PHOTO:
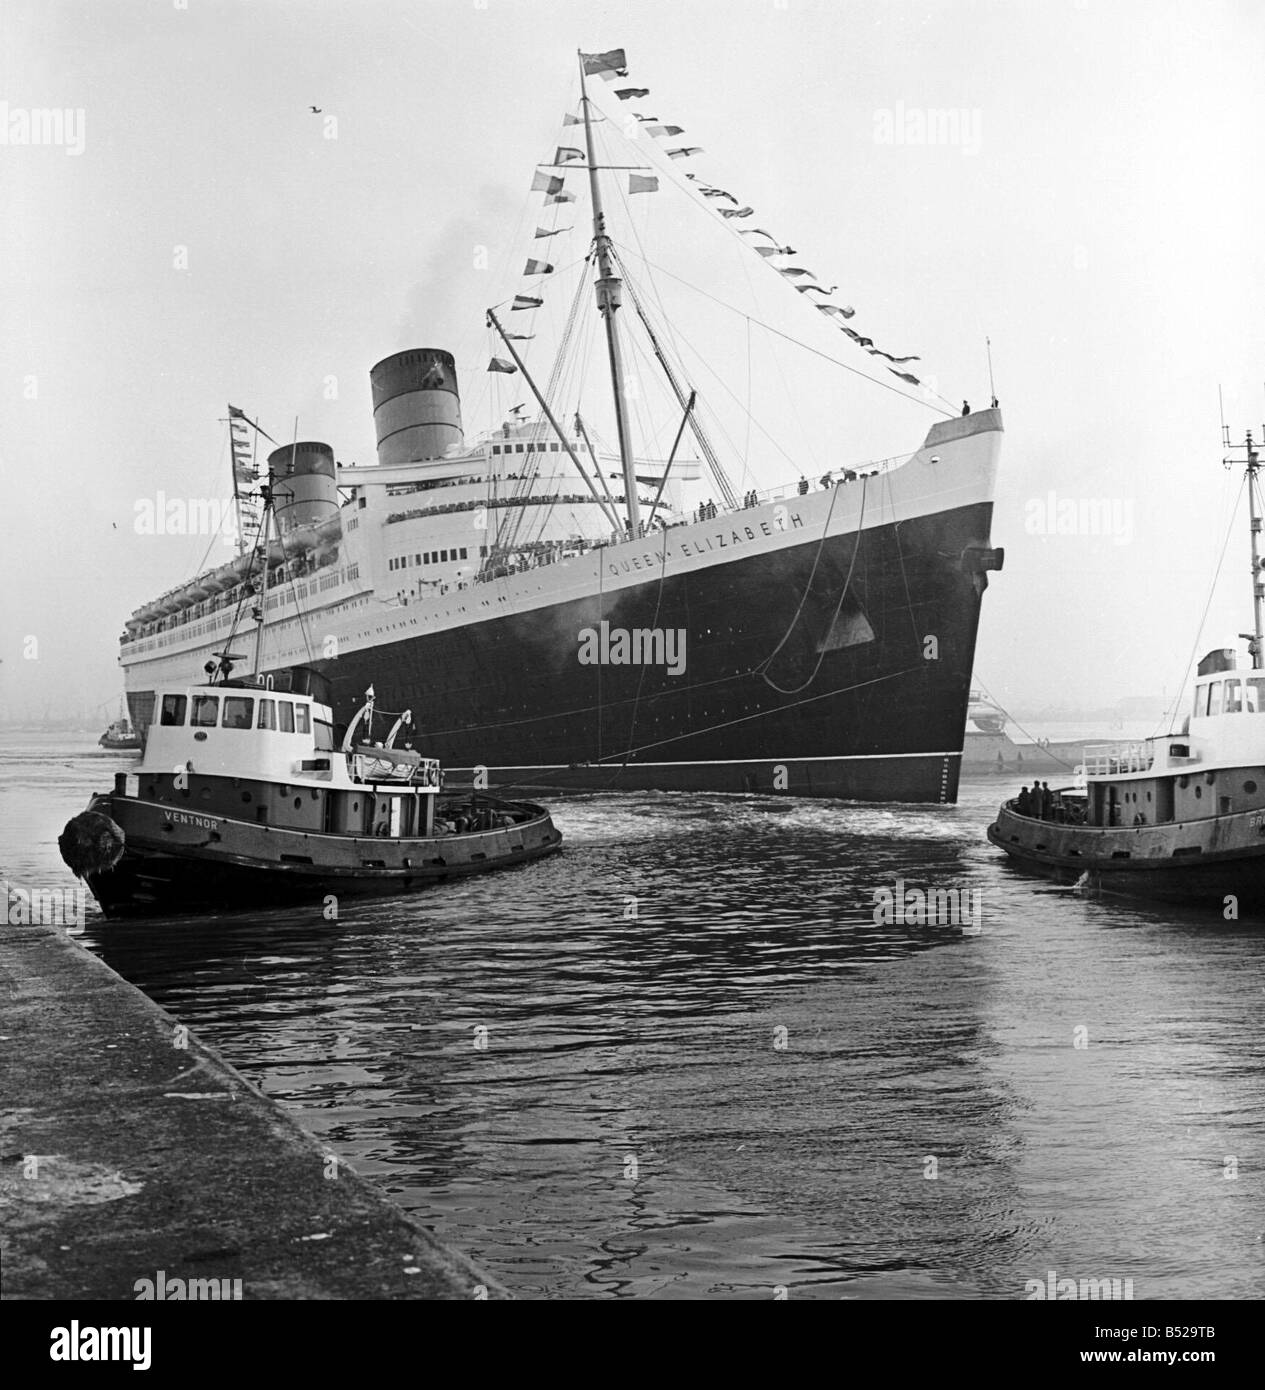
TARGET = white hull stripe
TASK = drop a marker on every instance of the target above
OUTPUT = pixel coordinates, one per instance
(703, 762)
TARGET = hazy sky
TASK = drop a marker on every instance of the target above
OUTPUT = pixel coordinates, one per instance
(202, 237)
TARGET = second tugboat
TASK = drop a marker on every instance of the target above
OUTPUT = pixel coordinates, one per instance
(120, 736)
(1179, 818)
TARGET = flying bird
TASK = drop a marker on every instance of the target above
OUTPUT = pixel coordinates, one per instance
(315, 109)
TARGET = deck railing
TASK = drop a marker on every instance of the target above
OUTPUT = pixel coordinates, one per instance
(1107, 759)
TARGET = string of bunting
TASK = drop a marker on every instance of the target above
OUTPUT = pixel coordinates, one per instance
(610, 66)
(615, 64)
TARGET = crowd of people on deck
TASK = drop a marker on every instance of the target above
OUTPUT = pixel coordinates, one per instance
(1041, 803)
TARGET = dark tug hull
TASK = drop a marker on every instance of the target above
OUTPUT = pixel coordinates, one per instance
(247, 866)
(1198, 864)
(879, 719)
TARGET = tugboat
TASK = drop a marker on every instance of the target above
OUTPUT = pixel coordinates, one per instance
(120, 736)
(242, 799)
(1179, 818)
(245, 797)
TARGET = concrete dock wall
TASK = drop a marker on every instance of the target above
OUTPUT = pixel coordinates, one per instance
(131, 1152)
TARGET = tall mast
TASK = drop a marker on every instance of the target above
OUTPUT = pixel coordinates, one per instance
(263, 590)
(1258, 586)
(608, 301)
(1256, 641)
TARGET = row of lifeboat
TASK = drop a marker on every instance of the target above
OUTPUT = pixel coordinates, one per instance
(320, 544)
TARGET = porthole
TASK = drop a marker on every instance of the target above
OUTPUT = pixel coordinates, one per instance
(1199, 791)
(1183, 782)
(1148, 796)
(246, 796)
(1249, 787)
(1210, 777)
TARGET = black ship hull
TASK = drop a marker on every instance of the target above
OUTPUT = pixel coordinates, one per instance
(836, 668)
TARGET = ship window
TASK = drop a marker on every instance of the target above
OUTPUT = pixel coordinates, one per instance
(1233, 697)
(301, 719)
(443, 555)
(1254, 694)
(206, 710)
(267, 714)
(285, 711)
(518, 448)
(1249, 787)
(496, 448)
(463, 552)
(238, 712)
(173, 709)
(1214, 697)
(324, 735)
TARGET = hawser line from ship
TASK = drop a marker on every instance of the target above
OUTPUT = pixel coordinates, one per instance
(827, 636)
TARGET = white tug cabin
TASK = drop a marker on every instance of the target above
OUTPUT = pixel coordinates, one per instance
(1214, 767)
(253, 751)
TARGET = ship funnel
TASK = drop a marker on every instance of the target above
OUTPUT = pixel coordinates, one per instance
(416, 405)
(303, 478)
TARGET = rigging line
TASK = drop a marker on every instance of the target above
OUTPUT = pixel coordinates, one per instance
(1167, 717)
(514, 239)
(561, 364)
(843, 593)
(669, 370)
(294, 593)
(717, 423)
(1036, 742)
(794, 410)
(900, 555)
(744, 261)
(665, 331)
(817, 352)
(201, 568)
(588, 709)
(761, 714)
(665, 319)
(734, 233)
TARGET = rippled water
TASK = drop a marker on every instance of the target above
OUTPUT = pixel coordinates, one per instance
(637, 1123)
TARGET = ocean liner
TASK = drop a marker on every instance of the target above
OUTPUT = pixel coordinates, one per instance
(573, 612)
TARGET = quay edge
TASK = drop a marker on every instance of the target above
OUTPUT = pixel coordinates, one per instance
(152, 1157)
